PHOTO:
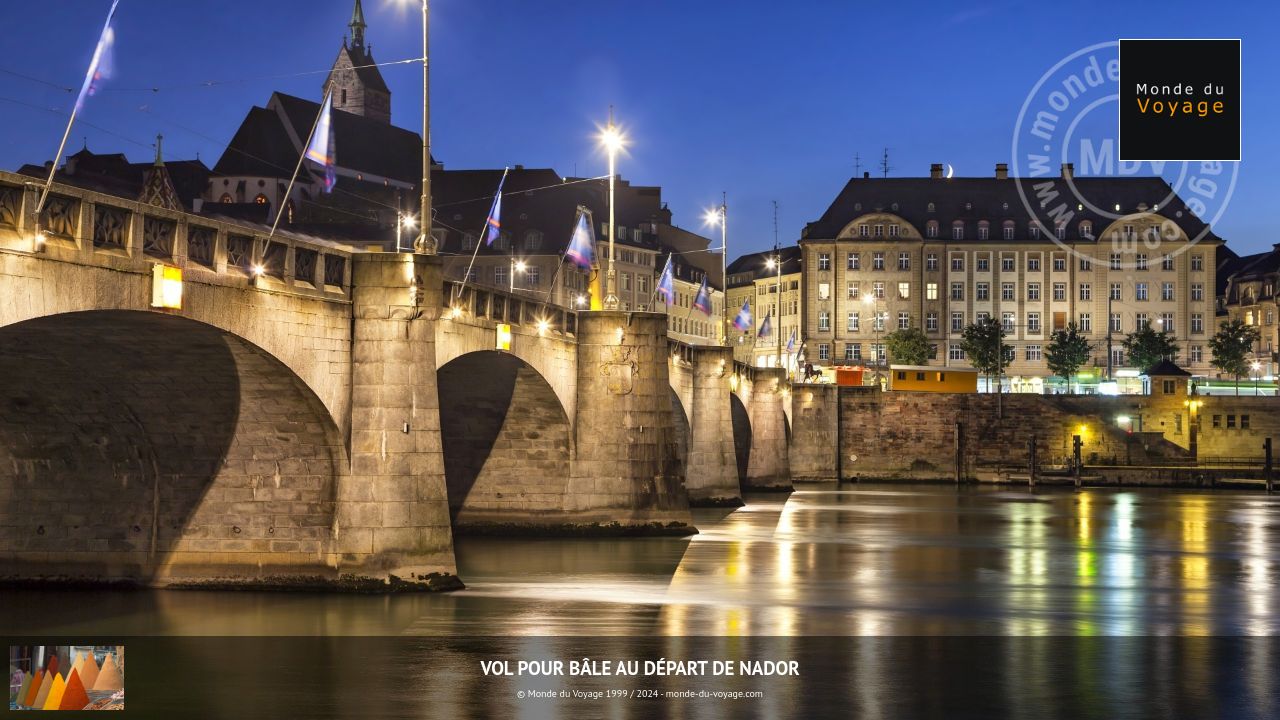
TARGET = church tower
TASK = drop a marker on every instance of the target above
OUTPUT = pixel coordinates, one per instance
(357, 84)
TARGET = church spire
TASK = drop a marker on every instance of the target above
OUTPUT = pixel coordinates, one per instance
(357, 26)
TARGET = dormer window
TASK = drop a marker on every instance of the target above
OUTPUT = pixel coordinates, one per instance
(984, 230)
(931, 227)
(1086, 229)
(1007, 229)
(931, 207)
(957, 230)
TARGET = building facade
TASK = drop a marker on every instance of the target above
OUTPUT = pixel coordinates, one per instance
(1249, 295)
(754, 280)
(941, 253)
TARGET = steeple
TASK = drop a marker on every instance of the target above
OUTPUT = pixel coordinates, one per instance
(357, 26)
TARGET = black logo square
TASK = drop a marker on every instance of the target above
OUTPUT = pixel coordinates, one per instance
(1180, 100)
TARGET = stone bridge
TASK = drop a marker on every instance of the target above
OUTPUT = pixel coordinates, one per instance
(316, 414)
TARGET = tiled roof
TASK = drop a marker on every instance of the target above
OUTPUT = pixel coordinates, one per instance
(756, 264)
(113, 174)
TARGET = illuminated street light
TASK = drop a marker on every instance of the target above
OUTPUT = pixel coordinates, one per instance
(426, 133)
(580, 301)
(543, 326)
(720, 217)
(613, 140)
(517, 266)
(258, 270)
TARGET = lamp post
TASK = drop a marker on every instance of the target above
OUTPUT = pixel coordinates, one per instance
(870, 299)
(720, 216)
(516, 266)
(775, 263)
(611, 138)
(1257, 367)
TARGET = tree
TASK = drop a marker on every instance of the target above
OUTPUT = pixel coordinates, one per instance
(1066, 352)
(1147, 347)
(907, 347)
(1231, 346)
(983, 344)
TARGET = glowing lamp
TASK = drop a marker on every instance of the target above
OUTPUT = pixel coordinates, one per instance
(166, 287)
(504, 337)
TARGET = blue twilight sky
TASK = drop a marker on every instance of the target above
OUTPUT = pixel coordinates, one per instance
(763, 100)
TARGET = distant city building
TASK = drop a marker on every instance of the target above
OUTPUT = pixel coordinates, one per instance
(358, 87)
(752, 281)
(685, 322)
(940, 253)
(174, 185)
(1249, 295)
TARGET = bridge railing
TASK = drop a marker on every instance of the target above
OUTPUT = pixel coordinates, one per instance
(487, 303)
(93, 228)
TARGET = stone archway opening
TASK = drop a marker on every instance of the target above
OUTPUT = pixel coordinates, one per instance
(680, 429)
(507, 443)
(741, 436)
(151, 448)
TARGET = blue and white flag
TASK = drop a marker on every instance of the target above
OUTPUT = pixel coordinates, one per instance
(666, 284)
(320, 149)
(766, 327)
(493, 225)
(791, 341)
(702, 301)
(743, 321)
(582, 247)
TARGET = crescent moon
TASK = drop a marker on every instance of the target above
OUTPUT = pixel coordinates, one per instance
(950, 171)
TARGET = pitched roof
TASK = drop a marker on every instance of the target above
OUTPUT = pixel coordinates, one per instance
(754, 266)
(366, 68)
(1165, 368)
(113, 174)
(972, 199)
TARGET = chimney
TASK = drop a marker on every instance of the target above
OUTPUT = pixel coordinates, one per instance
(935, 171)
(1002, 171)
(1068, 170)
(866, 174)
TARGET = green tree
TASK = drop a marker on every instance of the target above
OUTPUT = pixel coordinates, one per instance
(983, 344)
(1147, 347)
(907, 347)
(1066, 352)
(1231, 346)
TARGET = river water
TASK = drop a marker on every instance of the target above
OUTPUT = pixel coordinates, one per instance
(868, 584)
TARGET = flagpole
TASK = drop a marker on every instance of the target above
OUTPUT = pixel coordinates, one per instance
(467, 275)
(301, 156)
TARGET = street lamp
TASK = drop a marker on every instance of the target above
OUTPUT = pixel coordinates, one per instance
(613, 141)
(720, 216)
(870, 299)
(517, 266)
(1257, 367)
(775, 263)
(407, 222)
(422, 244)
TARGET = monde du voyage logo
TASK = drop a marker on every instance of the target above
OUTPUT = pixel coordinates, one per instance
(1180, 100)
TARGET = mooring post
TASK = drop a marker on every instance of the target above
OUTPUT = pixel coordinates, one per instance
(1031, 461)
(1076, 445)
(959, 445)
(1266, 466)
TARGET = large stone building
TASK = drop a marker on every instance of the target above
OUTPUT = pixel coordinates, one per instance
(685, 322)
(1249, 294)
(753, 279)
(940, 253)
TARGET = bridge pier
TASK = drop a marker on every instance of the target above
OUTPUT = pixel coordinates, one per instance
(768, 467)
(625, 474)
(711, 473)
(391, 523)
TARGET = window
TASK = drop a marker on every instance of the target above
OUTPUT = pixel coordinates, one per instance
(957, 321)
(1166, 262)
(1086, 322)
(642, 284)
(1006, 291)
(1006, 264)
(877, 352)
(1115, 323)
(1166, 322)
(931, 262)
(1140, 291)
(878, 321)
(957, 230)
(1008, 320)
(1142, 261)
(984, 291)
(984, 264)
(1115, 261)
(1169, 386)
(853, 261)
(824, 261)
(534, 275)
(1116, 290)
(626, 282)
(877, 261)
(1033, 264)
(864, 231)
(904, 291)
(983, 318)
(957, 291)
(931, 229)
(824, 291)
(1086, 291)
(1033, 353)
(500, 275)
(1033, 322)
(1117, 357)
(879, 231)
(1197, 263)
(1197, 292)
(955, 352)
(1007, 231)
(1033, 291)
(1061, 230)
(1086, 229)
(824, 351)
(931, 291)
(261, 199)
(1059, 291)
(1197, 354)
(984, 230)
(853, 351)
(957, 263)
(1166, 291)
(852, 322)
(824, 320)
(1086, 264)
(931, 321)
(1217, 421)
(1141, 320)
(1244, 422)
(893, 230)
(1059, 264)
(904, 260)
(877, 288)
(853, 288)
(1231, 421)
(1033, 231)
(904, 320)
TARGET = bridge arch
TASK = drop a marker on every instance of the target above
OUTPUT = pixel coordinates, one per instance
(507, 440)
(150, 447)
(741, 435)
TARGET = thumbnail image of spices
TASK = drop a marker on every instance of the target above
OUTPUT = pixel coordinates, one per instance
(66, 677)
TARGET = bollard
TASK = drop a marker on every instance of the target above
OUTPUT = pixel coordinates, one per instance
(1031, 461)
(959, 442)
(1076, 445)
(1266, 467)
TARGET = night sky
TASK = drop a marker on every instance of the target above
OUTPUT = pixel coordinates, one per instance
(764, 100)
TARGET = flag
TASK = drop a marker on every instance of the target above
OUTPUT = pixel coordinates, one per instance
(493, 225)
(743, 320)
(320, 149)
(582, 247)
(791, 341)
(766, 327)
(100, 65)
(702, 300)
(666, 284)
